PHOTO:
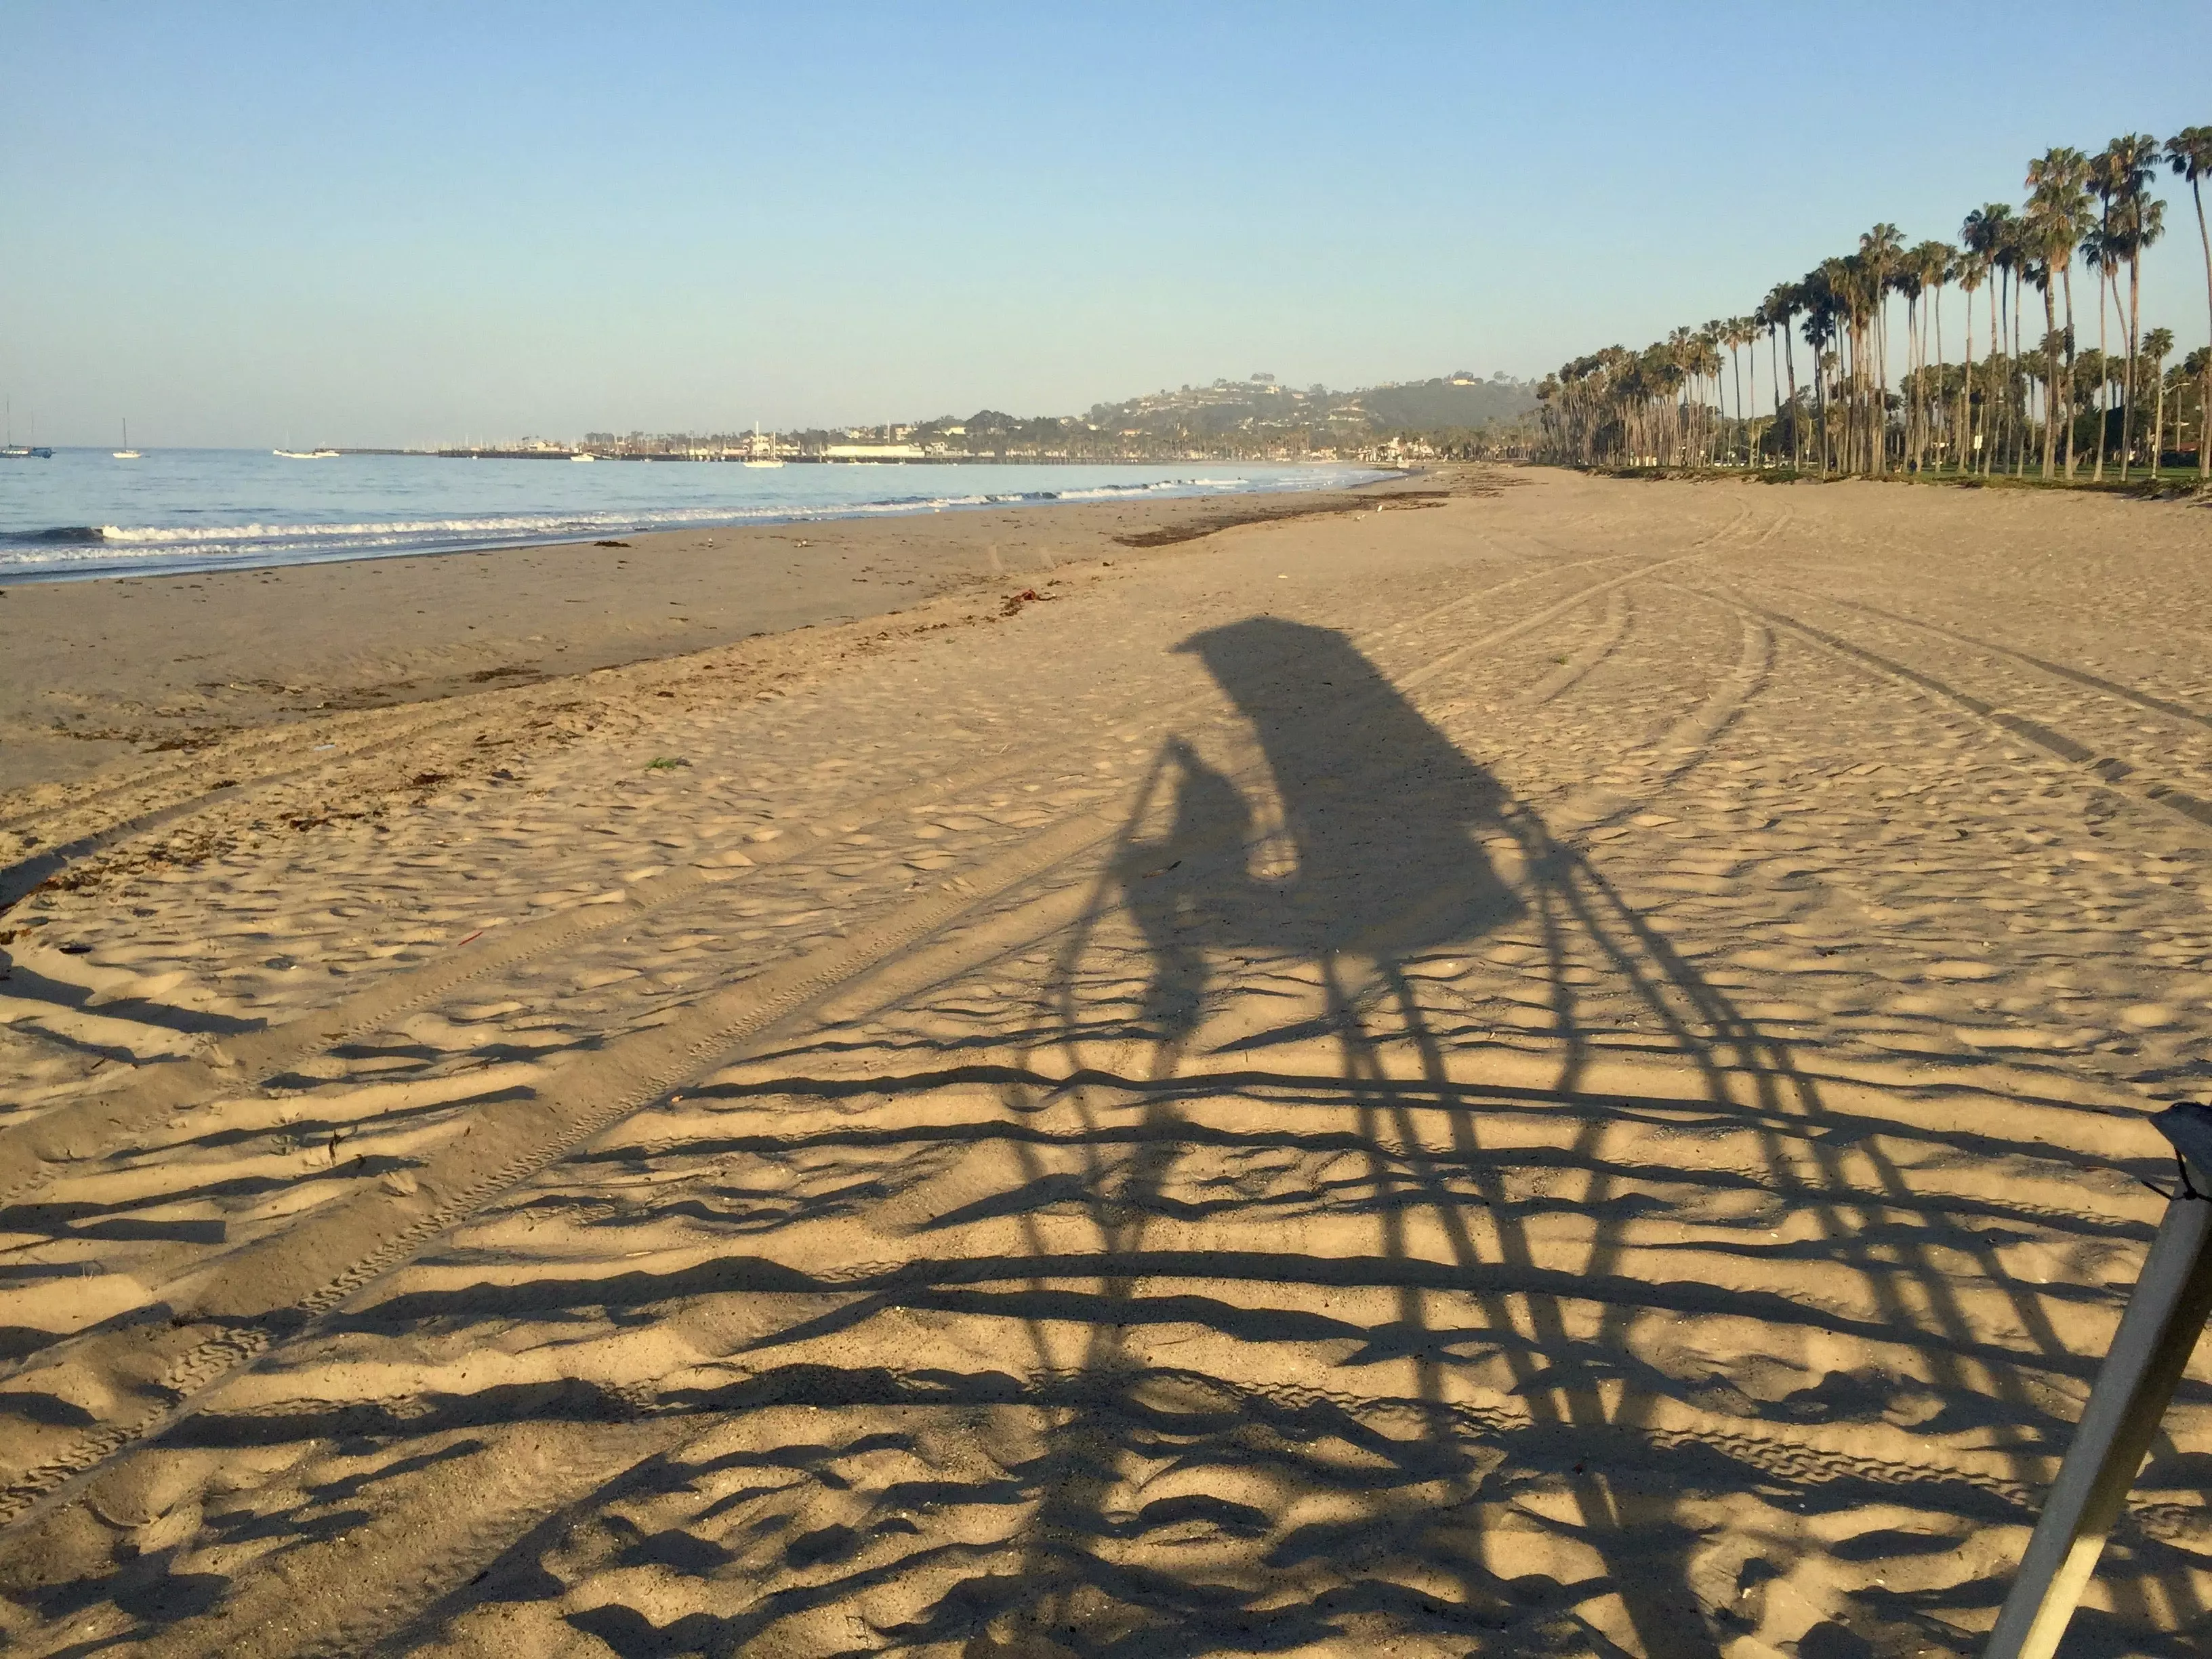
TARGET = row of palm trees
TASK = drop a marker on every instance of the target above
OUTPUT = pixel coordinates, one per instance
(1668, 404)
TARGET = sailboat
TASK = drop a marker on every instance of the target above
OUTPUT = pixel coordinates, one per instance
(12, 451)
(763, 453)
(126, 453)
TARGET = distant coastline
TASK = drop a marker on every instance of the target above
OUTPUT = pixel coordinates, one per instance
(737, 458)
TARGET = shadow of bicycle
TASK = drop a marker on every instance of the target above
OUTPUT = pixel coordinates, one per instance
(1220, 1274)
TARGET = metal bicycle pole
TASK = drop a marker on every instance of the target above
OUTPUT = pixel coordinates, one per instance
(2157, 1334)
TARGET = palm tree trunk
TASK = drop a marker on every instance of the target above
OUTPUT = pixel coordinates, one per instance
(1879, 390)
(1816, 436)
(2104, 378)
(1911, 371)
(1935, 399)
(1923, 427)
(1881, 383)
(2066, 277)
(2204, 387)
(1796, 425)
(1773, 373)
(1998, 416)
(2017, 404)
(1988, 399)
(1964, 426)
(2134, 335)
(1931, 411)
(1862, 351)
(1751, 424)
(2050, 374)
(1735, 369)
(2158, 428)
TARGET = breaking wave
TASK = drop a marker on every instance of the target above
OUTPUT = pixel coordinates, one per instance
(206, 541)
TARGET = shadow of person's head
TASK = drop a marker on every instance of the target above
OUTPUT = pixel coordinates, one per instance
(1385, 813)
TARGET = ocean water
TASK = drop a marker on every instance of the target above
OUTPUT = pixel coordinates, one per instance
(83, 513)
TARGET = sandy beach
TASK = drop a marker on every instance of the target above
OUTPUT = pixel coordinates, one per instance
(1527, 1063)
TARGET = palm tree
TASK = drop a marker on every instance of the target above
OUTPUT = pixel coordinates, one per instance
(1996, 229)
(2040, 273)
(1736, 333)
(1923, 271)
(1986, 235)
(2058, 181)
(2051, 238)
(1779, 311)
(2019, 254)
(1882, 248)
(1841, 291)
(1974, 270)
(2157, 346)
(2141, 223)
(2098, 252)
(2189, 153)
(2198, 366)
(1713, 335)
(1817, 304)
(1907, 281)
(2135, 220)
(1940, 267)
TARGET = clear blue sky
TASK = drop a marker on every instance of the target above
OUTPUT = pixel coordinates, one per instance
(389, 222)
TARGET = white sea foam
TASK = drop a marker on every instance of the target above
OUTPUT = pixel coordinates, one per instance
(193, 524)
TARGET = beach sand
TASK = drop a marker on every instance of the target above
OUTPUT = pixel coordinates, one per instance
(1557, 1068)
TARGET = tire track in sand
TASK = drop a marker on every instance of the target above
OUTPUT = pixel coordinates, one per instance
(2080, 676)
(20, 880)
(1618, 614)
(2115, 774)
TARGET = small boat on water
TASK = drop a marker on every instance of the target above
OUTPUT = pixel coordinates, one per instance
(12, 451)
(764, 450)
(307, 454)
(582, 457)
(126, 453)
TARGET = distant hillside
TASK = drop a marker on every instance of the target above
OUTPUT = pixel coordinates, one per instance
(1445, 405)
(1261, 416)
(1255, 419)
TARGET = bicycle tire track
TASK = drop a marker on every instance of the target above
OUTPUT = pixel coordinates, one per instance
(2114, 773)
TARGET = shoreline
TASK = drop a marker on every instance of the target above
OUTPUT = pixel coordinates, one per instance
(121, 564)
(104, 672)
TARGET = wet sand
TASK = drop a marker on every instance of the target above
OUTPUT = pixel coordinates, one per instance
(99, 673)
(1558, 1070)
